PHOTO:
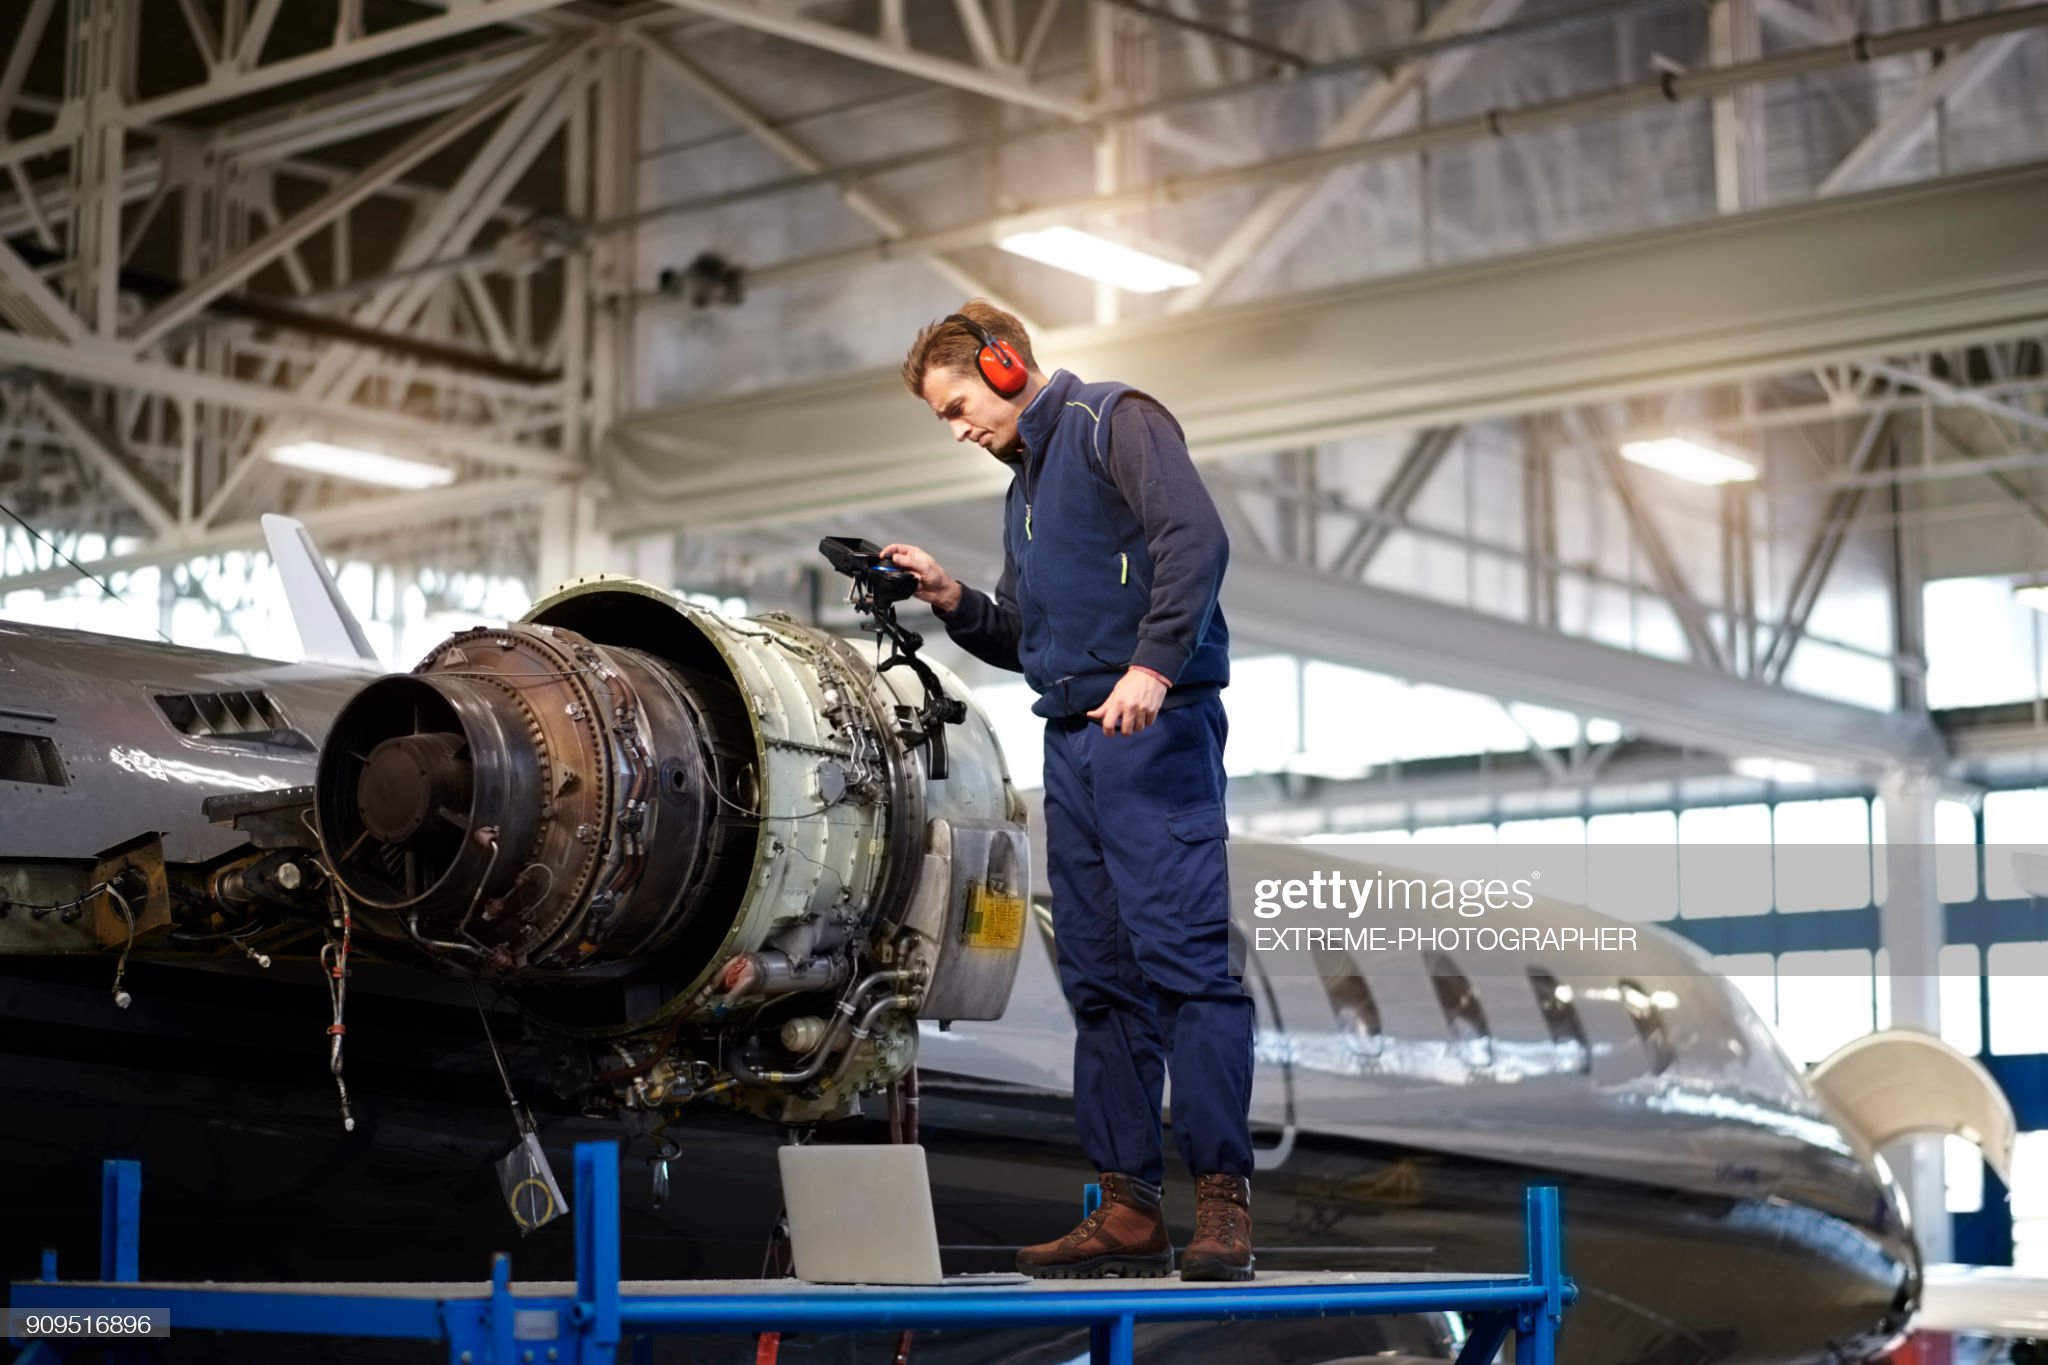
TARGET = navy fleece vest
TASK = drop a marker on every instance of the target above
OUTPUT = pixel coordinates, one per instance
(1084, 573)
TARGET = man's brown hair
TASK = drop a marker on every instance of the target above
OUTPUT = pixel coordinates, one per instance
(949, 346)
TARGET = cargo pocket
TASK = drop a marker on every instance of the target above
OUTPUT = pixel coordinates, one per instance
(1200, 874)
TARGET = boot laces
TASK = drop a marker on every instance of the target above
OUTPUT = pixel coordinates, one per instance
(1216, 1220)
(1090, 1225)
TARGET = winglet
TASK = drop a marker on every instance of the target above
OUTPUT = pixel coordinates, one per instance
(1887, 1085)
(328, 630)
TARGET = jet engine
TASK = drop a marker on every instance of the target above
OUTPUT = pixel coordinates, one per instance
(703, 855)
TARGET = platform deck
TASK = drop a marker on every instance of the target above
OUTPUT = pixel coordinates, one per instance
(600, 1319)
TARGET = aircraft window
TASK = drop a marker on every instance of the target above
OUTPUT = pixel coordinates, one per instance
(1560, 1013)
(1358, 1014)
(32, 759)
(1649, 1023)
(232, 717)
(1461, 1007)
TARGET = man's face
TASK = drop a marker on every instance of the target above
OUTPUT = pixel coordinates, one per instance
(973, 411)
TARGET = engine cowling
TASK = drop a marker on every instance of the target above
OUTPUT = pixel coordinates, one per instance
(733, 820)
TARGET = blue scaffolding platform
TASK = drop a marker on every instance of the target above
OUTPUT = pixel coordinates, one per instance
(602, 1320)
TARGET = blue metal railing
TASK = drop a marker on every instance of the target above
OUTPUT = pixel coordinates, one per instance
(499, 1324)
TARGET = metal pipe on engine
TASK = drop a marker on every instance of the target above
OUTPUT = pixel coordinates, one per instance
(815, 1062)
(772, 972)
(867, 1023)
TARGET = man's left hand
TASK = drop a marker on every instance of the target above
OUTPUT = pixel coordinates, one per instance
(1133, 705)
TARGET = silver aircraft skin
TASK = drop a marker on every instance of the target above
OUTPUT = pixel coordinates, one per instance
(1714, 1210)
(127, 766)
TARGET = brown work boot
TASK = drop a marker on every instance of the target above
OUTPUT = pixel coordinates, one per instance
(1126, 1236)
(1222, 1249)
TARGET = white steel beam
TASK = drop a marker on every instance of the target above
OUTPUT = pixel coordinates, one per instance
(104, 451)
(205, 36)
(452, 223)
(227, 84)
(1258, 229)
(1498, 787)
(472, 202)
(257, 33)
(107, 364)
(470, 498)
(1735, 36)
(1891, 272)
(1502, 123)
(345, 196)
(26, 40)
(1392, 502)
(1321, 617)
(1907, 122)
(142, 177)
(981, 35)
(1825, 547)
(1693, 618)
(369, 107)
(798, 154)
(28, 302)
(875, 51)
(1802, 23)
(1958, 396)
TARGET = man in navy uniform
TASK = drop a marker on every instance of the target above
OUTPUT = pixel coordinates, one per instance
(1112, 558)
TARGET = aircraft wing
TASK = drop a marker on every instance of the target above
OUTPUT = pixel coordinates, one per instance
(1983, 1300)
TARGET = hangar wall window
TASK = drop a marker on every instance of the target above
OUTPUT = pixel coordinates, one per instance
(1455, 834)
(2017, 817)
(1731, 872)
(1265, 715)
(1959, 996)
(31, 759)
(1980, 643)
(1564, 872)
(1962, 1168)
(1962, 998)
(1433, 721)
(1825, 999)
(1955, 852)
(2030, 1202)
(1955, 856)
(1638, 883)
(2016, 974)
(1022, 734)
(1823, 854)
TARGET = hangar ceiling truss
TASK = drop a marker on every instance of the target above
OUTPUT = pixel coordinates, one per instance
(421, 225)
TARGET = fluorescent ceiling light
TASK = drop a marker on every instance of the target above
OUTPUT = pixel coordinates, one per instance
(1774, 769)
(1100, 259)
(2033, 593)
(1689, 460)
(368, 466)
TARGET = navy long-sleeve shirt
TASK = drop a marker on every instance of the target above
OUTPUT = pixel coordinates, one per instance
(1147, 461)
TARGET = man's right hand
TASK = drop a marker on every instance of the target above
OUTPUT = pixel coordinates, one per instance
(934, 584)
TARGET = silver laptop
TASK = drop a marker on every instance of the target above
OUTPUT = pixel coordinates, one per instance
(863, 1215)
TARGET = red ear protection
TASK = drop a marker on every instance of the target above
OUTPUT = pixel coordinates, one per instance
(1001, 368)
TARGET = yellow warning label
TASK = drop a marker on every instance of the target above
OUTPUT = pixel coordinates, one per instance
(994, 920)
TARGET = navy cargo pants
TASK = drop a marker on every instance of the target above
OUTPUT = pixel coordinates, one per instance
(1141, 922)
